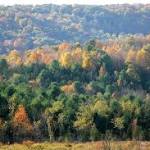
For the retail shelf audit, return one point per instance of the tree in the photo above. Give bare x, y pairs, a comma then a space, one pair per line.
130, 112
32, 57
3, 68
102, 71
14, 58
21, 124
84, 120
143, 57
119, 122
132, 73
64, 46
66, 59
131, 57
86, 60
91, 45
53, 91
92, 115
145, 118
77, 56
78, 87
45, 78
68, 89
52, 114
4, 108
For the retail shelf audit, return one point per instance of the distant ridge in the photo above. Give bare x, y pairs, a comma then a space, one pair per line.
28, 27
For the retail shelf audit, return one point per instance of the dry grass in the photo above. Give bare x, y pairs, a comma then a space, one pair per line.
101, 145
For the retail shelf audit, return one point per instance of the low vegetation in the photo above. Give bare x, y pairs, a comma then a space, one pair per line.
79, 146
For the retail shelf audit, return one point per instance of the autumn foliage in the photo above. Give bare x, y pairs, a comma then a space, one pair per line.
21, 124
76, 92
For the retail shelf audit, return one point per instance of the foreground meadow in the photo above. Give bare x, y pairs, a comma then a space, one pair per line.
128, 145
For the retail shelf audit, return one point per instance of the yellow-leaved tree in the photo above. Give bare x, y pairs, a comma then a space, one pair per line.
14, 58
131, 56
86, 60
143, 57
66, 59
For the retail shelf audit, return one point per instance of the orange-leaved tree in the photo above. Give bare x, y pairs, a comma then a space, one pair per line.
22, 126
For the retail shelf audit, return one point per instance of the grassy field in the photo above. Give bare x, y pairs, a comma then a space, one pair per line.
128, 145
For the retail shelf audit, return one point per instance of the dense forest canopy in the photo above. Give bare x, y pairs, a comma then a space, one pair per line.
77, 92
29, 27
74, 72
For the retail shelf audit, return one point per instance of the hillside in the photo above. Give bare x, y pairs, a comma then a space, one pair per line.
28, 27
75, 73
76, 93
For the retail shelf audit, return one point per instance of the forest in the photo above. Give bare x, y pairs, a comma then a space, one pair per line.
77, 92
28, 27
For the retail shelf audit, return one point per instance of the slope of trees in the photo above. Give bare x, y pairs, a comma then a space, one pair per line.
78, 92
28, 27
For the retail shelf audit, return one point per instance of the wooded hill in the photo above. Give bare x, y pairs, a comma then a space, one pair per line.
76, 92
28, 27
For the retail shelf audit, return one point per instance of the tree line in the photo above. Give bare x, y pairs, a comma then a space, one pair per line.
76, 92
